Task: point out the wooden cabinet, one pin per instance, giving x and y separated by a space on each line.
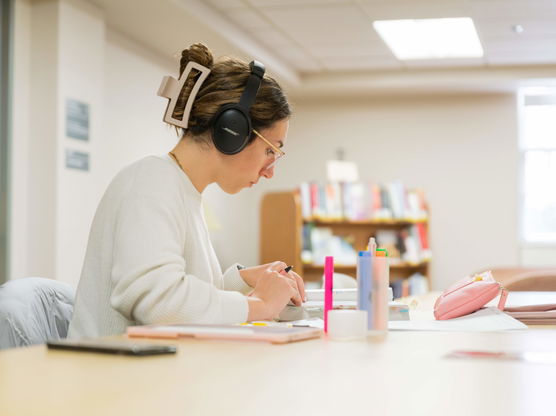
281 234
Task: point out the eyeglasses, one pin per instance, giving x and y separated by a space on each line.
276 152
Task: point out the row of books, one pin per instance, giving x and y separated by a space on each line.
409 245
319 242
416 284
361 201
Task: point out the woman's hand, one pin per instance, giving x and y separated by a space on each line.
251 276
272 293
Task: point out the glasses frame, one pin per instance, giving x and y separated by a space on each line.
278 152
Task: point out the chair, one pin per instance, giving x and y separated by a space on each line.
342 281
527 279
34 310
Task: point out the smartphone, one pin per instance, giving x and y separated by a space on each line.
112 347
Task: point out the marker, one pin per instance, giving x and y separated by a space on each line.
379 302
328 274
287 269
364 284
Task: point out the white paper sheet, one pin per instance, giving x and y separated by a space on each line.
487 319
313 323
529 298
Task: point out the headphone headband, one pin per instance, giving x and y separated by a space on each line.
252 86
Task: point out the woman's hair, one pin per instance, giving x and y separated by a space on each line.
225 85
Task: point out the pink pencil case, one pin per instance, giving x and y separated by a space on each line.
469 295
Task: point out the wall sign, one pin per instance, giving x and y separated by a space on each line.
77 119
77 160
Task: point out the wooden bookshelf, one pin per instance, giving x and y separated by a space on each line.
281 226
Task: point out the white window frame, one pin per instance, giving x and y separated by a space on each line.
539 93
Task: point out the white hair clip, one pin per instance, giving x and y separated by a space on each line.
170 88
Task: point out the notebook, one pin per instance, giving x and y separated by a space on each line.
274 334
532 308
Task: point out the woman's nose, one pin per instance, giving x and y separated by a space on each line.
268 172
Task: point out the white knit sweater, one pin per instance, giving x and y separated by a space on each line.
149 257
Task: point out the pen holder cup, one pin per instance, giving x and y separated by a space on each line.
347 325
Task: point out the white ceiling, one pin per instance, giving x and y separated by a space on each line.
331 35
314 43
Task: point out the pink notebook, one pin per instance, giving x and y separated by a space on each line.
274 334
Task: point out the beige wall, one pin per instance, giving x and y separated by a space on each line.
462 150
19 198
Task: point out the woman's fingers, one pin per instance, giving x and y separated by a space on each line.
296 296
300 284
294 280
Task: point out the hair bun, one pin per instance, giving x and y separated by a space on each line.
197 53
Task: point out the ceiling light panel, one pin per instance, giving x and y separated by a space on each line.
443 38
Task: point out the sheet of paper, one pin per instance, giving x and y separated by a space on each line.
313 323
487 319
516 299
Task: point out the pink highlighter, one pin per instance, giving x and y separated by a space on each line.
328 273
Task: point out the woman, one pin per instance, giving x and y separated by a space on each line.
149 257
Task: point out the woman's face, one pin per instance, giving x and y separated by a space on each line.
244 169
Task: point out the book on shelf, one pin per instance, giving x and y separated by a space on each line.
404 246
319 242
361 201
416 284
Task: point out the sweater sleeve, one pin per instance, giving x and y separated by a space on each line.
234 281
149 279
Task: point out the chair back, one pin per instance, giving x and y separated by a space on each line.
34 310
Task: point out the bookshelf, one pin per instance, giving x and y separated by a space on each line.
281 237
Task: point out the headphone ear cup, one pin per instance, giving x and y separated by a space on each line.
231 129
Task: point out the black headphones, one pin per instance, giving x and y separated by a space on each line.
231 125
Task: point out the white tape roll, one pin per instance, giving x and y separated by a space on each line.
347 324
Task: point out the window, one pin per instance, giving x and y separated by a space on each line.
538 161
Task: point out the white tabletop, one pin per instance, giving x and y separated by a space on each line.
404 374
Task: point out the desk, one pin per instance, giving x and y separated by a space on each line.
405 374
